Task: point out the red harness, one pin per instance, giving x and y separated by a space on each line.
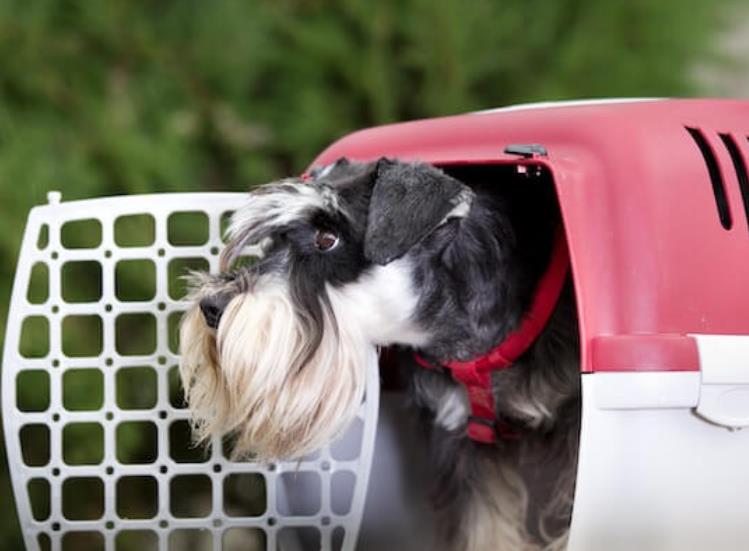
475 375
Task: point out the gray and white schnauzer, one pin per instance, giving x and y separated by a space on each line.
445 263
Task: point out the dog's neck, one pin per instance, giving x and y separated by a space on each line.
478 291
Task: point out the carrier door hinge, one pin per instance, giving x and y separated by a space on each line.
724 391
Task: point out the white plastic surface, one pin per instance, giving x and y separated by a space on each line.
564 103
724 396
647 390
331 518
658 478
724 359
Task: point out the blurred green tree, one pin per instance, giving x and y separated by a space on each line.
122 97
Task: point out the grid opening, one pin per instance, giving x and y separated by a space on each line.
38 288
348 447
136 442
136 540
42 239
173 322
178 269
83 541
336 538
82 336
82 389
299 537
81 281
176 392
137 497
299 493
245 495
342 484
227 449
32 390
135 280
82 498
190 538
187 228
34 341
83 443
39 497
81 234
190 496
135 334
35 447
134 230
136 387
243 539
182 449
224 223
243 261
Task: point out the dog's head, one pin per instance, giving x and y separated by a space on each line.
275 352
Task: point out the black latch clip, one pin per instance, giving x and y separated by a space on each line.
527 150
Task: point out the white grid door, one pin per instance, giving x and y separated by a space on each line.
81 466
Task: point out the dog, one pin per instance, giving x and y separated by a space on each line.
443 262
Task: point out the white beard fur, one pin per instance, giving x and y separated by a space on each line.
246 378
249 381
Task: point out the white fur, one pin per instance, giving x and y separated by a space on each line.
453 409
276 206
495 516
324 171
535 411
382 303
250 380
462 204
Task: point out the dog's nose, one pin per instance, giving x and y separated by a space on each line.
212 308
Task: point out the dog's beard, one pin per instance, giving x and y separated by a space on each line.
259 378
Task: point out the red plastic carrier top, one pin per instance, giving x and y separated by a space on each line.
655 201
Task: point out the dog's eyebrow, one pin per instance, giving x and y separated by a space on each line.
271 207
288 185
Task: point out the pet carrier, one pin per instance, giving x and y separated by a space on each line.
654 196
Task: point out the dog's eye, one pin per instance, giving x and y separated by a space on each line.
325 240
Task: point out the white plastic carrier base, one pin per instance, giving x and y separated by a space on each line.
316 503
664 456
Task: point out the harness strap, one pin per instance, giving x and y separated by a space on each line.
475 375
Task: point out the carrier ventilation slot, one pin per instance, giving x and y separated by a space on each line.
716 178
740 166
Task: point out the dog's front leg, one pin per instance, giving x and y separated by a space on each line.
492 516
480 497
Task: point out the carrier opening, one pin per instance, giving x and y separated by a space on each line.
536 397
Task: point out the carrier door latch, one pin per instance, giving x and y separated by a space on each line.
529 151
724 391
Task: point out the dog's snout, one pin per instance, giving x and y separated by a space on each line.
212 308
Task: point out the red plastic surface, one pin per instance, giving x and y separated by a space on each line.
649 254
644 353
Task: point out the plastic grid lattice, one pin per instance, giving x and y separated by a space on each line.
310 504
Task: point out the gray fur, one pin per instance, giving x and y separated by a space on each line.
476 277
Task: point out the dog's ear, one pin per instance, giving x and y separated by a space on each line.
409 201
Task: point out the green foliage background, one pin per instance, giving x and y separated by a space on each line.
102 98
